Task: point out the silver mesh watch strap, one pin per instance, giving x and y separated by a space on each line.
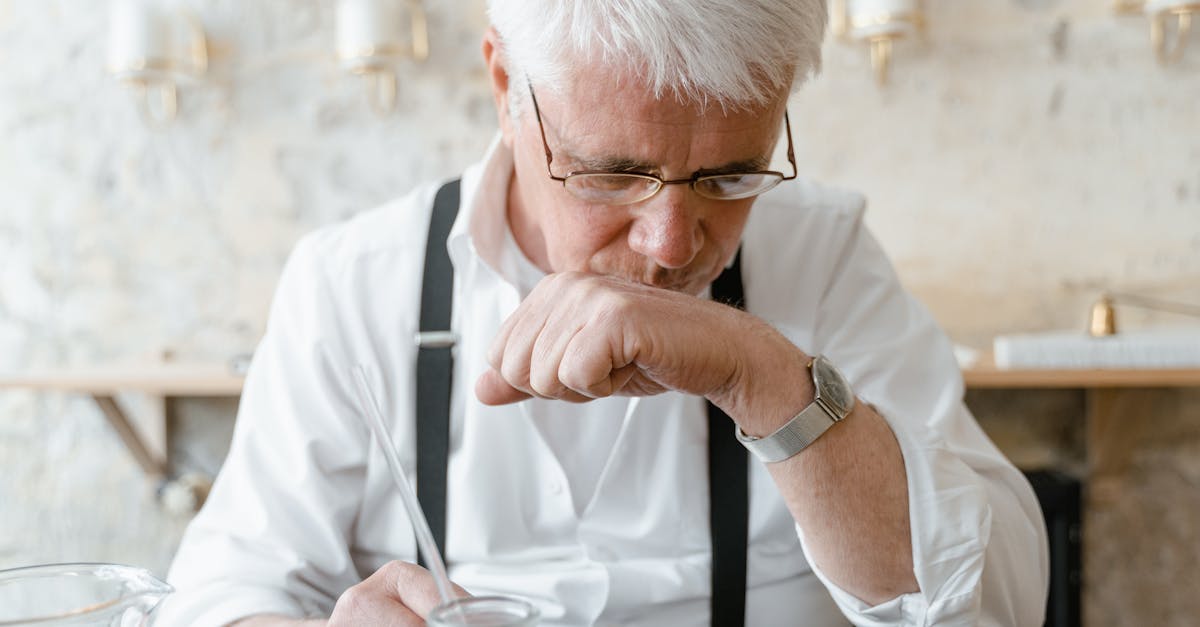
833 401
791 438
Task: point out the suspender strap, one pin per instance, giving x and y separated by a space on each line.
728 488
435 366
728 474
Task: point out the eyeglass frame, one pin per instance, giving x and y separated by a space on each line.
691 181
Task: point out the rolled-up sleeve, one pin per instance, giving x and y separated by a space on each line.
272 537
978 540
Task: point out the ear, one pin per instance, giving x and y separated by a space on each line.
493 58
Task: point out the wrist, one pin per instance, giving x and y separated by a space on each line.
770 383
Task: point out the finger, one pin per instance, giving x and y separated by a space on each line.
547 356
374 601
622 378
492 389
518 351
495 354
416 587
638 384
591 366
496 351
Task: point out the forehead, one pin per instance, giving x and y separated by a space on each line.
599 116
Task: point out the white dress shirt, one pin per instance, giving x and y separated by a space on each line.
610 526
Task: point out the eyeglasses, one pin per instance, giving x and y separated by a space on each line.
624 188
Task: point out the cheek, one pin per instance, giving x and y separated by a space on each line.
581 232
725 225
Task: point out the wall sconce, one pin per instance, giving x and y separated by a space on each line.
1162 13
1102 320
370 42
879 23
154 49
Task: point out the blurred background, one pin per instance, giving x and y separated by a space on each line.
1023 157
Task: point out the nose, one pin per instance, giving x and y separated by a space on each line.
667 229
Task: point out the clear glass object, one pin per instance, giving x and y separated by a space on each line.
79 594
494 611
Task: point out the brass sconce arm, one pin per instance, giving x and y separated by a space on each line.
370 43
1102 320
879 25
1161 14
1183 28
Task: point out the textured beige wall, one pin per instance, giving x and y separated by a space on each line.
118 240
1026 154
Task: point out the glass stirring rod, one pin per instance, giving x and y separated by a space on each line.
425 540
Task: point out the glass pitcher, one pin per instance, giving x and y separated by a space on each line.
79 594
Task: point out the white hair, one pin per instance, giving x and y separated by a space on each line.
733 53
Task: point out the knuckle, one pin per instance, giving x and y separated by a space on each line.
593 287
495 355
580 380
356 600
554 283
515 372
545 383
611 311
395 568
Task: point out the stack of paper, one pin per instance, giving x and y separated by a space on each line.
1176 348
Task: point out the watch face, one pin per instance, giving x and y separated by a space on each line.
832 387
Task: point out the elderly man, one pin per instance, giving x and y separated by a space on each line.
599 381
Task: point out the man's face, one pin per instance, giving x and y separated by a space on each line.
676 239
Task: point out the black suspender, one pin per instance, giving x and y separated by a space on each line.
728 464
435 366
728 488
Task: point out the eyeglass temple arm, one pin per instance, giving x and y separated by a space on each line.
791 153
542 128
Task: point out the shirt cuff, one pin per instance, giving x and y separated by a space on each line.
950 519
912 609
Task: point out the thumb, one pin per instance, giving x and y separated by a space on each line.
492 389
416 589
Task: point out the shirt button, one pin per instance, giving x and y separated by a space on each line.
556 488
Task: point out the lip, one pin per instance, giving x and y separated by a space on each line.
673 286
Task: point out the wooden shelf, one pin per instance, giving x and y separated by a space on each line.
216 380
142 426
156 379
987 376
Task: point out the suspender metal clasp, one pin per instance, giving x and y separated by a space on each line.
436 339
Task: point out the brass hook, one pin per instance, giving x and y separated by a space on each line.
168 102
881 58
839 21
420 31
1102 322
1158 34
383 90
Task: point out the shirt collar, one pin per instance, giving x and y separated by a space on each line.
481 231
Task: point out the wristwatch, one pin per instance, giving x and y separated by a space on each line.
833 402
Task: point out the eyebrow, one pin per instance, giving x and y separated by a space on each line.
627 164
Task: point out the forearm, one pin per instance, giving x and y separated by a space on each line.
274 620
849 493
848 490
